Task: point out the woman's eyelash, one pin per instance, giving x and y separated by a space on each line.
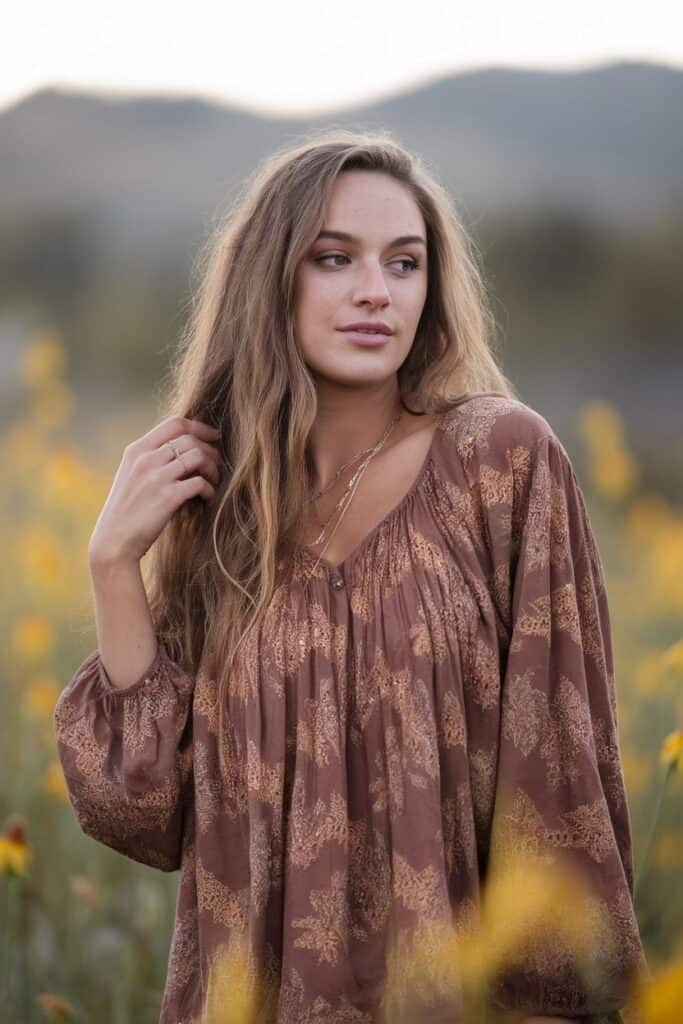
340 255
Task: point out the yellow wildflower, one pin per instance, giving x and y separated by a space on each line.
671 749
53 781
43 359
613 472
612 468
660 998
33 636
41 555
15 853
527 903
40 696
673 656
236 992
600 423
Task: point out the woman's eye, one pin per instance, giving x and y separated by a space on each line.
331 256
412 264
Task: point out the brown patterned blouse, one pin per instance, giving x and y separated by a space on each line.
374 722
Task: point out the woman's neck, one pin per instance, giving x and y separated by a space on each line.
348 424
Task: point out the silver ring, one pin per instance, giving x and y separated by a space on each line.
176 453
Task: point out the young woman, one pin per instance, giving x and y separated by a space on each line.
375 611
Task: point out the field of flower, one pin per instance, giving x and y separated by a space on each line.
84 931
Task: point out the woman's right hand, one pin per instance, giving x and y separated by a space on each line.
151 484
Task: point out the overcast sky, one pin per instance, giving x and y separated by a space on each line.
312 55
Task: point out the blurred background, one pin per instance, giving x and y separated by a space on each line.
122 134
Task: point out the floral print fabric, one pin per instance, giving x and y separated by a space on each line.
376 721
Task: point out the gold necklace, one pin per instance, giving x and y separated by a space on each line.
319 494
359 472
349 491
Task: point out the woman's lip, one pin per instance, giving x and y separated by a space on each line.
364 338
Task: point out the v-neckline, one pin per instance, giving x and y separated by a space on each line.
339 567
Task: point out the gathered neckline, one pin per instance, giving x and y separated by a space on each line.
339 567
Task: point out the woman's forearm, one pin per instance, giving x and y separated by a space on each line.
125 631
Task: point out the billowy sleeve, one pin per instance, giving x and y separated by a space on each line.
126 755
559 789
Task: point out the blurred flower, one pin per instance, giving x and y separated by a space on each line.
528 905
646 516
43 359
671 750
600 423
54 782
665 566
672 657
40 696
235 993
15 853
53 404
612 468
64 473
33 636
56 1008
660 998
41 555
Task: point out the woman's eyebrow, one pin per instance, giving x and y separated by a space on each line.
344 236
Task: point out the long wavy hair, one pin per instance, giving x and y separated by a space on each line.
214 570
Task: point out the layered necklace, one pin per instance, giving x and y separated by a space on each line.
342 505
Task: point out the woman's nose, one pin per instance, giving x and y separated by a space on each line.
371 284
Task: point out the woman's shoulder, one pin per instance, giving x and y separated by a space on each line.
487 426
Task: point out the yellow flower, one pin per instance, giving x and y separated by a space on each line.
612 468
613 472
43 359
660 998
600 424
236 994
33 636
65 473
673 656
41 696
41 555
15 853
672 748
54 783
528 905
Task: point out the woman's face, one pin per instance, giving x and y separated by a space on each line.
377 273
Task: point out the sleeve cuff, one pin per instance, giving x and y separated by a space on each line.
106 685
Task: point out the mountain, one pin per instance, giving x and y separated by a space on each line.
607 141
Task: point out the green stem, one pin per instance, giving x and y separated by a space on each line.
653 828
12 892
